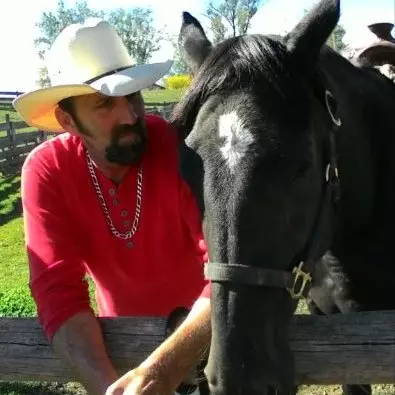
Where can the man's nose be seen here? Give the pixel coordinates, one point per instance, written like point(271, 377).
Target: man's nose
point(125, 112)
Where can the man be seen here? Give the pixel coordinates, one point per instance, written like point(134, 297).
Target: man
point(105, 199)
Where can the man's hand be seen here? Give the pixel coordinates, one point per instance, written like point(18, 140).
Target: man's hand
point(164, 370)
point(144, 380)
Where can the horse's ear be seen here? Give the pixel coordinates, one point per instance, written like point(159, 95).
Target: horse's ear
point(311, 33)
point(193, 43)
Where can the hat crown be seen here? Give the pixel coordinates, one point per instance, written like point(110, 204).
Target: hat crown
point(85, 51)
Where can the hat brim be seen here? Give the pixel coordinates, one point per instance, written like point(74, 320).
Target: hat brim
point(37, 108)
point(378, 54)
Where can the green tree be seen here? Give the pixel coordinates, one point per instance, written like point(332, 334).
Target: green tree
point(43, 78)
point(178, 66)
point(52, 23)
point(231, 18)
point(335, 40)
point(136, 30)
point(135, 27)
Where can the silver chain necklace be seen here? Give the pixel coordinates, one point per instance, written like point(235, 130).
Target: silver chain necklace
point(132, 231)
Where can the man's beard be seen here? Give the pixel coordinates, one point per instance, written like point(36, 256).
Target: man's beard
point(131, 152)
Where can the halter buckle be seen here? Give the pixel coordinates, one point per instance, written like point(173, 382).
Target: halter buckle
point(304, 277)
point(331, 173)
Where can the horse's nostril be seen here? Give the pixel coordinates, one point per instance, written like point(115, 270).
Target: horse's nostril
point(210, 377)
point(212, 382)
point(215, 389)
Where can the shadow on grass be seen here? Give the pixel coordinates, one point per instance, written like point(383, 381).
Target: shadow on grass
point(10, 199)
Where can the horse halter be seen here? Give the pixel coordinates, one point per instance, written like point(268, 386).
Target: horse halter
point(294, 282)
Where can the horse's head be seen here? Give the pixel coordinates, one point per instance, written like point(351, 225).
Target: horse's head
point(256, 127)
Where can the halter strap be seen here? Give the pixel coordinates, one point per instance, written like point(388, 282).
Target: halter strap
point(295, 283)
point(248, 275)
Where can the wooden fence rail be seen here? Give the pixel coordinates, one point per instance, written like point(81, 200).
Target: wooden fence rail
point(355, 348)
point(15, 146)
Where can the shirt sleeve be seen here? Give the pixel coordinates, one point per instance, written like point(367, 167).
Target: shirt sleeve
point(57, 272)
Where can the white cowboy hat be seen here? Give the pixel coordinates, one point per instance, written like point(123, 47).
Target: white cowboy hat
point(86, 58)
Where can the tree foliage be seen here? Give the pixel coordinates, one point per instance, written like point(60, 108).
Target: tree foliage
point(52, 23)
point(136, 30)
point(135, 27)
point(336, 39)
point(179, 66)
point(231, 18)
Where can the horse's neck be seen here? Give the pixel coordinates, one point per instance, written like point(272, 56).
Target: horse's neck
point(366, 146)
point(378, 114)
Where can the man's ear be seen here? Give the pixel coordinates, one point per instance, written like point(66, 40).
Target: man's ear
point(65, 120)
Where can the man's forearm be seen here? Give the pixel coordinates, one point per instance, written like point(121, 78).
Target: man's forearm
point(79, 344)
point(186, 347)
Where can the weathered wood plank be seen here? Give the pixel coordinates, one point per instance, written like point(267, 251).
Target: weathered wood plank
point(20, 125)
point(4, 142)
point(4, 126)
point(25, 354)
point(353, 348)
point(27, 137)
point(17, 151)
point(14, 159)
point(21, 139)
point(15, 124)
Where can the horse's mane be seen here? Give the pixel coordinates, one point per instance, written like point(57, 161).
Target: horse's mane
point(238, 63)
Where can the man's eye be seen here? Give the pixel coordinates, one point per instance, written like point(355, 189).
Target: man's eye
point(105, 103)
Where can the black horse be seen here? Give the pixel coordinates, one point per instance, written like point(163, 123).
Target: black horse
point(290, 151)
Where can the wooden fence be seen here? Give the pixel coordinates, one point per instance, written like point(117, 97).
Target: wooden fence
point(7, 95)
point(354, 348)
point(16, 144)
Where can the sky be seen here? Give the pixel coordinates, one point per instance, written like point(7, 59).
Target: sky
point(20, 63)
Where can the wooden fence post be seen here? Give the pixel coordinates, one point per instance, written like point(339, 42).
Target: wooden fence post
point(42, 136)
point(10, 133)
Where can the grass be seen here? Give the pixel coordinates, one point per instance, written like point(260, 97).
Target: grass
point(163, 96)
point(14, 269)
point(6, 108)
point(9, 198)
point(14, 276)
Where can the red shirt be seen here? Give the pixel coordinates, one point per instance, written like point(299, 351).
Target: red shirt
point(67, 234)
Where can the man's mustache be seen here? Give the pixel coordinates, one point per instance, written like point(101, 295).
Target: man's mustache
point(120, 130)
